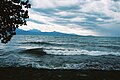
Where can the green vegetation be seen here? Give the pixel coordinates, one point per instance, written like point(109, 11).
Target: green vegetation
point(12, 15)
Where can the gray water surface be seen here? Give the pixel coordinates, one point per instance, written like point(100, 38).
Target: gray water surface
point(61, 52)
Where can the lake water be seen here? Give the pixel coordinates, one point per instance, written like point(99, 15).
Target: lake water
point(62, 52)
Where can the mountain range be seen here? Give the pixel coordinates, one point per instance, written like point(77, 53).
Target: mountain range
point(37, 32)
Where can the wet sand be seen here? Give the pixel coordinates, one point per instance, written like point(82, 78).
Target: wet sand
point(23, 73)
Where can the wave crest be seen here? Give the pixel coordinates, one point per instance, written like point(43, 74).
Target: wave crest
point(37, 51)
point(42, 43)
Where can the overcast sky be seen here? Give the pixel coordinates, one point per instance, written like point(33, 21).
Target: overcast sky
point(82, 17)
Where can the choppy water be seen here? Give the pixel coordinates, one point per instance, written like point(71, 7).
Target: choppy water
point(61, 52)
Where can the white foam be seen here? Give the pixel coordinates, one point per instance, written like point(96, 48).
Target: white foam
point(79, 52)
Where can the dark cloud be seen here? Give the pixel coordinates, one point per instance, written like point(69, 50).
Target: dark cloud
point(116, 0)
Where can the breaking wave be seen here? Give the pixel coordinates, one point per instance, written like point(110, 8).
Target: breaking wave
point(65, 52)
point(36, 51)
point(80, 52)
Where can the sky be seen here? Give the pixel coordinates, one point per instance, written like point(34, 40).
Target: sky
point(81, 17)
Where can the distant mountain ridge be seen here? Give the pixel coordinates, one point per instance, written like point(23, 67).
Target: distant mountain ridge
point(37, 32)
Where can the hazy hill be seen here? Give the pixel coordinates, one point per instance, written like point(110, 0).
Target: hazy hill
point(37, 32)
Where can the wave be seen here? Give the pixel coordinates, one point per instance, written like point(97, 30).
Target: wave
point(66, 52)
point(79, 52)
point(42, 43)
point(50, 44)
point(36, 51)
point(12, 56)
point(112, 47)
point(77, 66)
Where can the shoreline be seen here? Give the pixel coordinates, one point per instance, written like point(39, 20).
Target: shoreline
point(28, 73)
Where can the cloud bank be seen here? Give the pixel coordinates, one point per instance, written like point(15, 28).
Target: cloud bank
point(82, 17)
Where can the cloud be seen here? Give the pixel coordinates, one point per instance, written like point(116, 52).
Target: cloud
point(64, 13)
point(53, 3)
point(110, 29)
point(78, 19)
point(103, 7)
point(82, 17)
point(58, 28)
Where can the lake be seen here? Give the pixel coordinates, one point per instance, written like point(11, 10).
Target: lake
point(61, 52)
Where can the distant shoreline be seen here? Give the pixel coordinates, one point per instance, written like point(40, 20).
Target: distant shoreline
point(24, 73)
